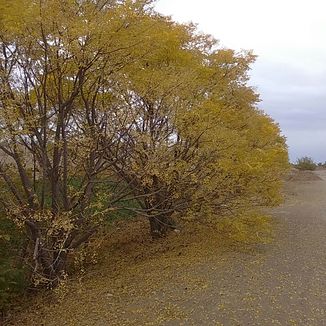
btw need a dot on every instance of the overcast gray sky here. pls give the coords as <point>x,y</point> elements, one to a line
<point>289,37</point>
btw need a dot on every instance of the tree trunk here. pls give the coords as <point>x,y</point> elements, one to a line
<point>52,267</point>
<point>161,225</point>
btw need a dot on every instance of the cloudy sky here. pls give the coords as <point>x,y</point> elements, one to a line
<point>289,37</point>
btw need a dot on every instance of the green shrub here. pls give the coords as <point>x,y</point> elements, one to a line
<point>13,279</point>
<point>305,163</point>
<point>12,282</point>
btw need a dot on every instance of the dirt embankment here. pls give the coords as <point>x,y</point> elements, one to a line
<point>297,175</point>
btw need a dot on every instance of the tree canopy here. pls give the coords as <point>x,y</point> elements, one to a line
<point>108,105</point>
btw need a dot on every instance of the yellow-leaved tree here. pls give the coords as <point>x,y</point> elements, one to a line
<point>57,63</point>
<point>194,143</point>
<point>108,105</point>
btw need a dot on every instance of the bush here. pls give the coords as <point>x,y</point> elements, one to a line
<point>12,283</point>
<point>13,279</point>
<point>305,163</point>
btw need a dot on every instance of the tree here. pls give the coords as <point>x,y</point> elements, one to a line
<point>104,103</point>
<point>57,61</point>
<point>194,144</point>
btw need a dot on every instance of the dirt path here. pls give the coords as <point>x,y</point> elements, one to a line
<point>282,283</point>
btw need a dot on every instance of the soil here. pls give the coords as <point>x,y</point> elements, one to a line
<point>296,175</point>
<point>202,279</point>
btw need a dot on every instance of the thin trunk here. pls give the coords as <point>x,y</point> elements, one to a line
<point>161,225</point>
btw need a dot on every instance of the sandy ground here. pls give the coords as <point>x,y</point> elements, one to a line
<point>281,283</point>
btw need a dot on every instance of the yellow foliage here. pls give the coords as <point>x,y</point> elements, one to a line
<point>104,104</point>
<point>247,228</point>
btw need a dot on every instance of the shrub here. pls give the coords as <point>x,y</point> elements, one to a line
<point>305,163</point>
<point>12,283</point>
<point>322,165</point>
<point>12,274</point>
